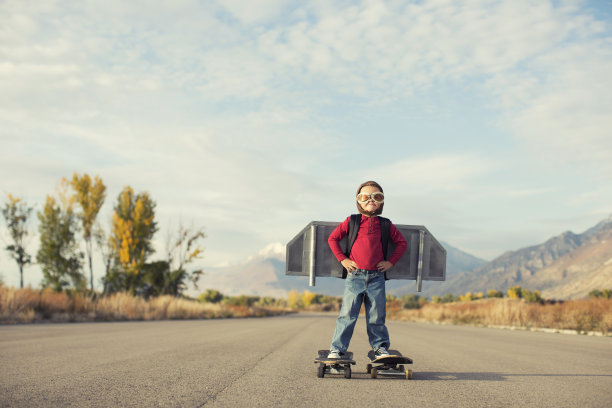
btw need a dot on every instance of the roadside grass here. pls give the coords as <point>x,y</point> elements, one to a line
<point>29,305</point>
<point>586,315</point>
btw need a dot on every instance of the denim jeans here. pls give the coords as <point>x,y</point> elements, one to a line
<point>366,287</point>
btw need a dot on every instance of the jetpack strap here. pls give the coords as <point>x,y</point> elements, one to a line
<point>354,225</point>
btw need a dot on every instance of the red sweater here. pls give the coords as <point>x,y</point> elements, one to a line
<point>367,250</point>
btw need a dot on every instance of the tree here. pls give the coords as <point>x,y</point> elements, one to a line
<point>494,293</point>
<point>211,296</point>
<point>132,233</point>
<point>308,298</point>
<point>58,254</point>
<point>107,251</point>
<point>515,292</point>
<point>90,196</point>
<point>182,250</point>
<point>16,213</point>
<point>171,277</point>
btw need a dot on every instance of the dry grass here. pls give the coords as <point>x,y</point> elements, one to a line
<point>28,305</point>
<point>579,315</point>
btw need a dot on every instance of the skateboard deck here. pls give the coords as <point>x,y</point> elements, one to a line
<point>334,365</point>
<point>393,364</point>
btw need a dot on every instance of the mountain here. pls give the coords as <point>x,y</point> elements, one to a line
<point>457,262</point>
<point>264,275</point>
<point>566,266</point>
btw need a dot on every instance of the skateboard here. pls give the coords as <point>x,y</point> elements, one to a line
<point>389,365</point>
<point>334,365</point>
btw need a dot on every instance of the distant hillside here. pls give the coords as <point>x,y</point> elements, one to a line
<point>264,275</point>
<point>457,262</point>
<point>564,267</point>
<point>567,266</point>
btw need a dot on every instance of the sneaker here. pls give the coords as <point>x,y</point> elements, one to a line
<point>334,354</point>
<point>381,352</point>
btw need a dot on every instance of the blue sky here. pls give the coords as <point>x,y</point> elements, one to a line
<point>487,121</point>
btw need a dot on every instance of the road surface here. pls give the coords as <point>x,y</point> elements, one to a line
<point>268,362</point>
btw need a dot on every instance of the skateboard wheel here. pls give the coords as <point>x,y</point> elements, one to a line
<point>321,371</point>
<point>347,371</point>
<point>369,368</point>
<point>374,373</point>
<point>409,374</point>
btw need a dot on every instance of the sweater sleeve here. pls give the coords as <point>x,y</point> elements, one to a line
<point>400,244</point>
<point>334,239</point>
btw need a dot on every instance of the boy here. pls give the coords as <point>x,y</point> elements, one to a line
<point>366,266</point>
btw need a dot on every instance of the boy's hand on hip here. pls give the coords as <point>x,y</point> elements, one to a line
<point>384,266</point>
<point>349,264</point>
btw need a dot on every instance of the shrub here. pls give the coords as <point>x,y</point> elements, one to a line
<point>516,292</point>
<point>210,296</point>
<point>471,296</point>
<point>308,298</point>
<point>494,293</point>
<point>605,294</point>
<point>412,301</point>
<point>294,301</point>
<point>242,300</point>
<point>532,297</point>
<point>448,298</point>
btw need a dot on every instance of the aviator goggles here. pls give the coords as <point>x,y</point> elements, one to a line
<point>378,197</point>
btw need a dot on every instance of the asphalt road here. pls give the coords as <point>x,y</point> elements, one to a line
<point>268,362</point>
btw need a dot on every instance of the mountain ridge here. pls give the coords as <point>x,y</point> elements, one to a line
<point>565,266</point>
<point>537,267</point>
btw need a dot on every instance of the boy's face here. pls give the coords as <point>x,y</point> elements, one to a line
<point>370,205</point>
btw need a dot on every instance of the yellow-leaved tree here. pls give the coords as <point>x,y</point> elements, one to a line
<point>90,195</point>
<point>132,234</point>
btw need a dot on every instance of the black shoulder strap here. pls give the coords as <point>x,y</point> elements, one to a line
<point>385,231</point>
<point>353,230</point>
<point>355,223</point>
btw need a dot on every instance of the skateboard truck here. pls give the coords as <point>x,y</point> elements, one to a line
<point>392,364</point>
<point>334,365</point>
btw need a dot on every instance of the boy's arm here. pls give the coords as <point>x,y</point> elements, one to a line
<point>400,244</point>
<point>334,239</point>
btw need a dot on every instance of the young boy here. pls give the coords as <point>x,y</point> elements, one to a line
<point>366,266</point>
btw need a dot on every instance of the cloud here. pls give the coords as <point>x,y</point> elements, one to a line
<point>249,117</point>
<point>436,173</point>
<point>255,12</point>
<point>275,250</point>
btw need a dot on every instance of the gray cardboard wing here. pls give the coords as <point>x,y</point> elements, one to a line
<point>309,254</point>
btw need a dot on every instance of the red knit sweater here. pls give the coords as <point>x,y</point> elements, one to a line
<point>367,249</point>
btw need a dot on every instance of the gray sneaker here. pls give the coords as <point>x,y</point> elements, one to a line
<point>381,352</point>
<point>334,354</point>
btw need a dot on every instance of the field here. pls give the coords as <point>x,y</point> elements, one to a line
<point>29,305</point>
<point>587,315</point>
<point>592,315</point>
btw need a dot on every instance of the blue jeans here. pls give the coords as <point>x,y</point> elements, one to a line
<point>366,287</point>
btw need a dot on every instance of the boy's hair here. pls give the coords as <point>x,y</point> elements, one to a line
<point>360,209</point>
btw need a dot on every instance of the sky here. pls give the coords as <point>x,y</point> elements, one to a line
<point>489,122</point>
